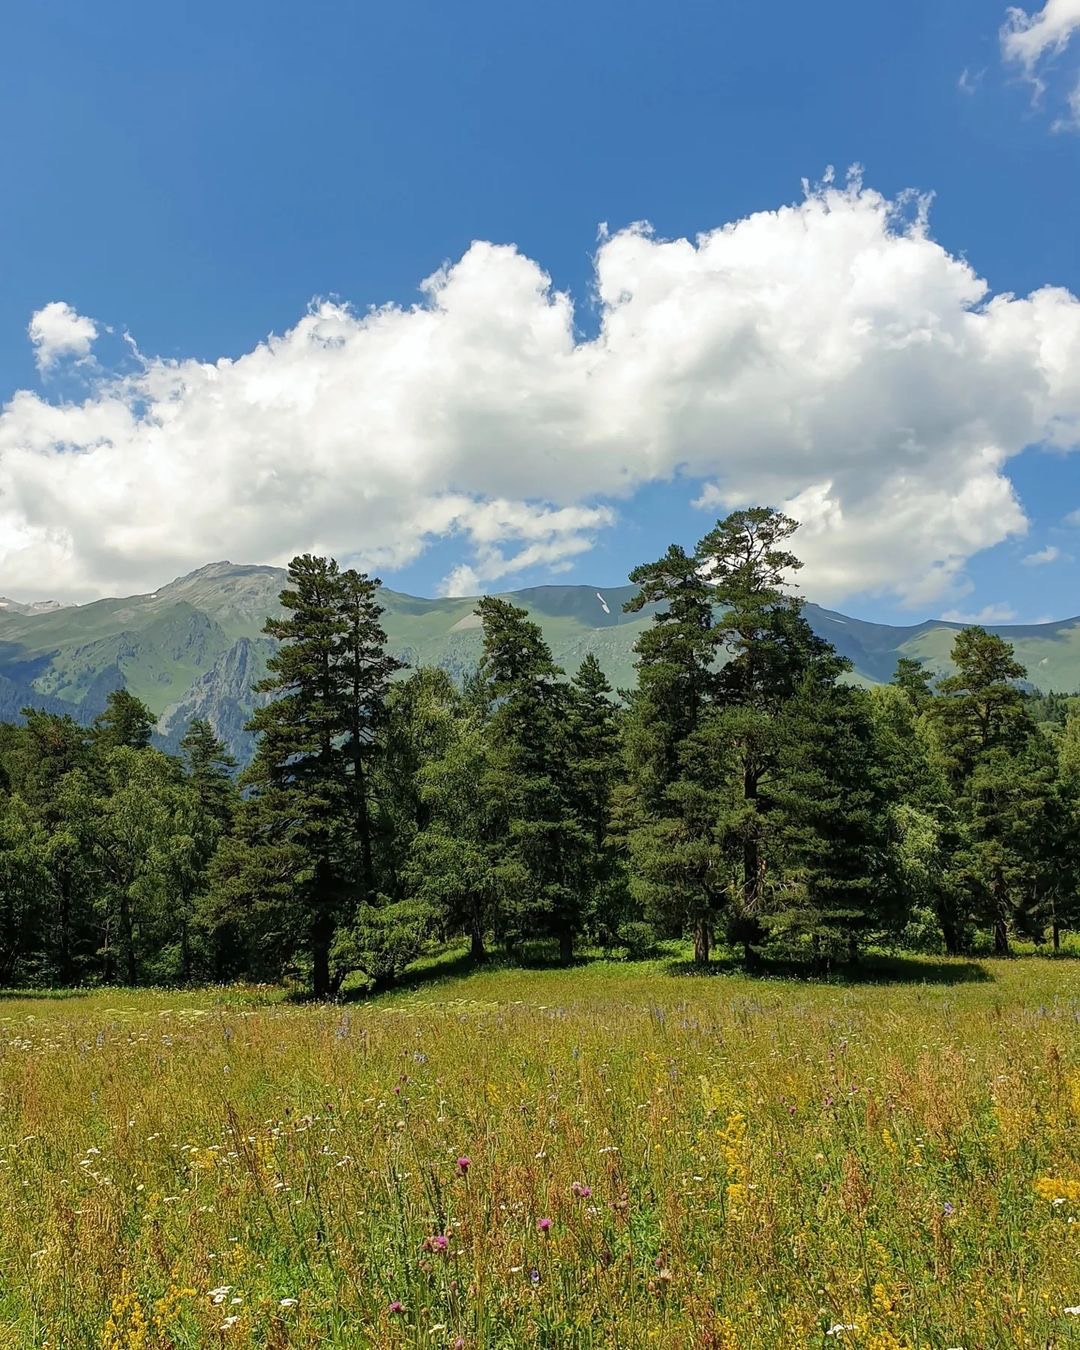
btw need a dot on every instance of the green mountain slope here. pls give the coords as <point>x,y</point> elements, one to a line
<point>195,647</point>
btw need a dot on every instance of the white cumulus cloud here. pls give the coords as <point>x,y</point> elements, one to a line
<point>999,613</point>
<point>57,331</point>
<point>1033,39</point>
<point>829,357</point>
<point>1051,553</point>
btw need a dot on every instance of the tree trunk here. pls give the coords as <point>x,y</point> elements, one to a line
<point>66,961</point>
<point>950,932</point>
<point>129,938</point>
<point>476,943</point>
<point>363,821</point>
<point>751,848</point>
<point>320,967</point>
<point>566,945</point>
<point>322,936</point>
<point>1056,932</point>
<point>1001,935</point>
<point>702,943</point>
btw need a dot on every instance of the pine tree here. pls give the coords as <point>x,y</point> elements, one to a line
<point>364,670</point>
<point>126,720</point>
<point>676,872</point>
<point>915,680</point>
<point>769,651</point>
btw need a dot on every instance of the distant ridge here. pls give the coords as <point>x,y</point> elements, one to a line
<point>195,646</point>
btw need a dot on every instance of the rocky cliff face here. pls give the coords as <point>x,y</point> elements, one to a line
<point>224,696</point>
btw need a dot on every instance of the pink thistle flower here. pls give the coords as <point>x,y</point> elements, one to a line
<point>581,1190</point>
<point>543,1225</point>
<point>397,1306</point>
<point>463,1165</point>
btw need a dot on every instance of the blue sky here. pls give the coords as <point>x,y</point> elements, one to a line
<point>195,176</point>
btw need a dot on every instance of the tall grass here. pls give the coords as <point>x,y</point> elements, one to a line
<point>608,1156</point>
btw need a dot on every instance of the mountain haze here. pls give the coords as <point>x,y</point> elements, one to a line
<point>195,648</point>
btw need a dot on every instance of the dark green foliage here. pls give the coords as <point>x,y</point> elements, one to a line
<point>210,769</point>
<point>842,883</point>
<point>1001,773</point>
<point>742,791</point>
<point>304,849</point>
<point>384,939</point>
<point>676,860</point>
<point>915,680</point>
<point>125,721</point>
<point>595,765</point>
<point>529,773</point>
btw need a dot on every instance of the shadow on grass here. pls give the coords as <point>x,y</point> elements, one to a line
<point>456,963</point>
<point>870,970</point>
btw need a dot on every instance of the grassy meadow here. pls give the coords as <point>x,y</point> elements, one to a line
<point>614,1155</point>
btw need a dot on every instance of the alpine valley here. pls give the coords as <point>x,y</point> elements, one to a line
<point>195,647</point>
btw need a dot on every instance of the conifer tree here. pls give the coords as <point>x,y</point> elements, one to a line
<point>527,733</point>
<point>841,882</point>
<point>594,764</point>
<point>364,671</point>
<point>915,680</point>
<point>289,853</point>
<point>676,869</point>
<point>126,720</point>
<point>768,651</point>
<point>982,731</point>
<point>210,769</point>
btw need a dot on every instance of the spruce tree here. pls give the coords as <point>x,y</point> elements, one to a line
<point>210,769</point>
<point>595,765</point>
<point>298,777</point>
<point>982,730</point>
<point>527,733</point>
<point>841,881</point>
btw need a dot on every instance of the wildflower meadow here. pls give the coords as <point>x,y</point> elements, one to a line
<point>618,1154</point>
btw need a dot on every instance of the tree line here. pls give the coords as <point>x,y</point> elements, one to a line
<point>744,793</point>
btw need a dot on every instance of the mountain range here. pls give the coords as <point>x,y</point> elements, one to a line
<point>195,648</point>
